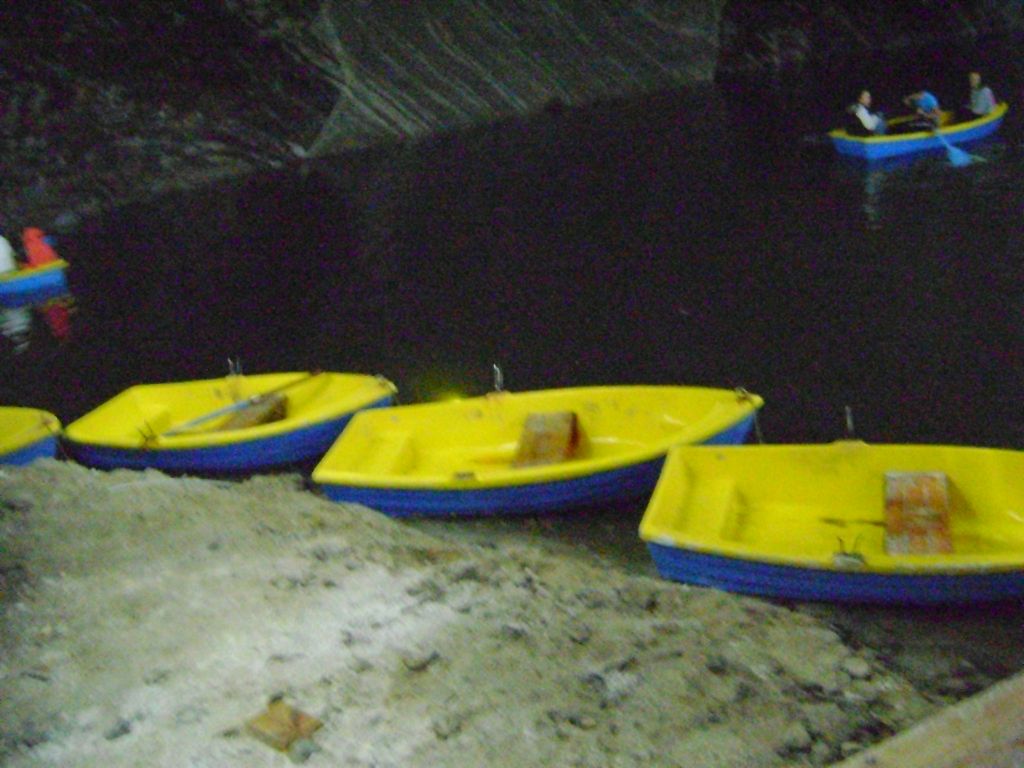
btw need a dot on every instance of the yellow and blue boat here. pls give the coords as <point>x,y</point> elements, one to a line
<point>847,521</point>
<point>493,454</point>
<point>236,424</point>
<point>895,144</point>
<point>27,434</point>
<point>23,287</point>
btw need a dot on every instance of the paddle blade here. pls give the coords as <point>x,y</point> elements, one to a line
<point>958,157</point>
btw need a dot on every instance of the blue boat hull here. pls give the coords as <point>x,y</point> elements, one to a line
<point>298,447</point>
<point>790,582</point>
<point>882,147</point>
<point>29,289</point>
<point>41,449</point>
<point>603,488</point>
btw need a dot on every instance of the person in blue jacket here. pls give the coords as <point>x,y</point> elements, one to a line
<point>926,106</point>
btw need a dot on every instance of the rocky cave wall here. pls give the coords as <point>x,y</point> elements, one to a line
<point>103,103</point>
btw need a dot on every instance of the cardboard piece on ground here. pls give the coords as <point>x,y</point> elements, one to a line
<point>547,438</point>
<point>281,725</point>
<point>917,507</point>
<point>268,409</point>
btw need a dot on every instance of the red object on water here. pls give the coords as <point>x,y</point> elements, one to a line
<point>58,316</point>
<point>37,251</point>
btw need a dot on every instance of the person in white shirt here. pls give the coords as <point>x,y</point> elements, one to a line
<point>982,99</point>
<point>7,262</point>
<point>872,122</point>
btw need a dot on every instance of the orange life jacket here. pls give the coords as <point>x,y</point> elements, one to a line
<point>37,250</point>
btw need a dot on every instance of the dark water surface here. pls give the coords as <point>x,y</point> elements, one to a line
<point>660,241</point>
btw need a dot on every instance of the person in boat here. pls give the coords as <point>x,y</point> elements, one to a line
<point>7,261</point>
<point>981,101</point>
<point>867,122</point>
<point>37,250</point>
<point>929,116</point>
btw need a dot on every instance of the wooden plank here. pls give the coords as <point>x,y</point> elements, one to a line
<point>917,513</point>
<point>984,731</point>
<point>271,408</point>
<point>547,438</point>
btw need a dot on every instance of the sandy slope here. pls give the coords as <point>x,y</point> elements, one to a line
<point>145,619</point>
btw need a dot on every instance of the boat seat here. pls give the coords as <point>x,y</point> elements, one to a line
<point>726,506</point>
<point>548,438</point>
<point>156,419</point>
<point>917,511</point>
<point>387,454</point>
<point>264,411</point>
<point>712,509</point>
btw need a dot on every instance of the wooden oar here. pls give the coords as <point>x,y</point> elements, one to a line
<point>240,405</point>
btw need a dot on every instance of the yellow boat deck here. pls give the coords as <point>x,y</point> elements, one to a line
<point>448,443</point>
<point>159,415</point>
<point>15,275</point>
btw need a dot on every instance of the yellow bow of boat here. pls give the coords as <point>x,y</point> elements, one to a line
<point>27,434</point>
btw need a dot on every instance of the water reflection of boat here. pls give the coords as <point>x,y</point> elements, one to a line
<point>846,521</point>
<point>896,144</point>
<point>232,424</point>
<point>16,327</point>
<point>57,314</point>
<point>27,434</point>
<point>20,288</point>
<point>874,183</point>
<point>16,323</point>
<point>525,452</point>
